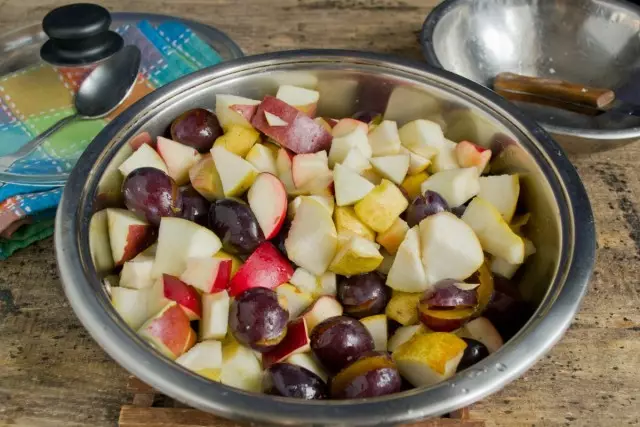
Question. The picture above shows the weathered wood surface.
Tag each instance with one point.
(53, 374)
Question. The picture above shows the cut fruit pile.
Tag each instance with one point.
(311, 257)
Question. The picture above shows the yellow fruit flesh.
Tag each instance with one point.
(433, 349)
(235, 261)
(238, 140)
(347, 221)
(412, 183)
(211, 373)
(359, 368)
(380, 208)
(350, 261)
(403, 307)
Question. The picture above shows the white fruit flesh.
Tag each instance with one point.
(307, 167)
(136, 274)
(423, 137)
(402, 335)
(322, 309)
(349, 186)
(482, 329)
(143, 157)
(450, 248)
(297, 300)
(240, 368)
(385, 139)
(407, 272)
(307, 361)
(125, 229)
(327, 284)
(394, 168)
(236, 174)
(201, 272)
(179, 158)
(228, 117)
(267, 199)
(215, 316)
(417, 163)
(494, 233)
(446, 158)
(205, 355)
(341, 145)
(356, 160)
(502, 191)
(99, 242)
(456, 186)
(301, 98)
(274, 120)
(377, 327)
(304, 280)
(262, 158)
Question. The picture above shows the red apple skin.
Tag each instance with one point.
(224, 275)
(300, 135)
(246, 111)
(139, 237)
(279, 193)
(296, 341)
(141, 139)
(172, 329)
(265, 267)
(470, 154)
(186, 296)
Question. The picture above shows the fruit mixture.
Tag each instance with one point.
(316, 258)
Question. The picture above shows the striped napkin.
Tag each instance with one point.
(34, 98)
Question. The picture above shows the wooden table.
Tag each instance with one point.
(53, 374)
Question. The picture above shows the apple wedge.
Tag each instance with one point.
(312, 240)
(387, 262)
(179, 159)
(347, 125)
(207, 274)
(296, 341)
(385, 139)
(204, 358)
(262, 158)
(502, 191)
(494, 234)
(186, 296)
(136, 273)
(348, 224)
(136, 306)
(238, 139)
(472, 155)
(427, 359)
(322, 309)
(349, 186)
(456, 186)
(326, 201)
(417, 163)
(235, 110)
(265, 267)
(380, 208)
(404, 334)
(205, 179)
(305, 100)
(145, 156)
(327, 285)
(358, 256)
(377, 327)
(394, 168)
(284, 160)
(412, 184)
(240, 367)
(99, 244)
(300, 134)
(307, 361)
(128, 235)
(178, 240)
(169, 331)
(423, 137)
(308, 167)
(481, 329)
(215, 315)
(446, 159)
(450, 248)
(296, 299)
(407, 273)
(371, 175)
(341, 145)
(267, 199)
(304, 280)
(236, 174)
(141, 139)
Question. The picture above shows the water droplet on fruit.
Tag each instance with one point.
(501, 367)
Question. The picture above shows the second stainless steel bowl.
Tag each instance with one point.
(554, 281)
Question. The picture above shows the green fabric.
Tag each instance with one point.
(25, 236)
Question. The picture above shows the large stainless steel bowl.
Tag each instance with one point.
(592, 42)
(562, 227)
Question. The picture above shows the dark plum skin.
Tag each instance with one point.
(363, 295)
(430, 203)
(236, 225)
(194, 207)
(289, 380)
(279, 239)
(373, 374)
(446, 295)
(197, 128)
(367, 116)
(475, 352)
(339, 340)
(152, 194)
(257, 320)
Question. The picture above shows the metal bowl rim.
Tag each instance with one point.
(428, 51)
(546, 327)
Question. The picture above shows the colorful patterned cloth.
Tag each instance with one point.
(36, 97)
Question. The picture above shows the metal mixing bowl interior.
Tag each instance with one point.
(592, 42)
(555, 279)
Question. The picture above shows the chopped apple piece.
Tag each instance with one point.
(380, 208)
(179, 158)
(341, 145)
(502, 191)
(263, 159)
(235, 110)
(481, 329)
(99, 242)
(238, 140)
(446, 158)
(205, 179)
(407, 273)
(136, 306)
(503, 268)
(450, 248)
(322, 309)
(472, 155)
(385, 139)
(371, 175)
(387, 262)
(204, 358)
(423, 137)
(356, 161)
(236, 174)
(266, 267)
(345, 126)
(169, 331)
(274, 120)
(308, 167)
(267, 199)
(296, 341)
(297, 299)
(303, 99)
(412, 184)
(349, 186)
(427, 359)
(307, 361)
(358, 256)
(348, 224)
(403, 307)
(404, 334)
(186, 296)
(128, 234)
(494, 234)
(208, 274)
(394, 168)
(283, 165)
(240, 367)
(327, 201)
(136, 273)
(391, 238)
(456, 186)
(145, 156)
(327, 284)
(178, 240)
(312, 240)
(304, 280)
(215, 315)
(377, 327)
(236, 263)
(417, 163)
(324, 123)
